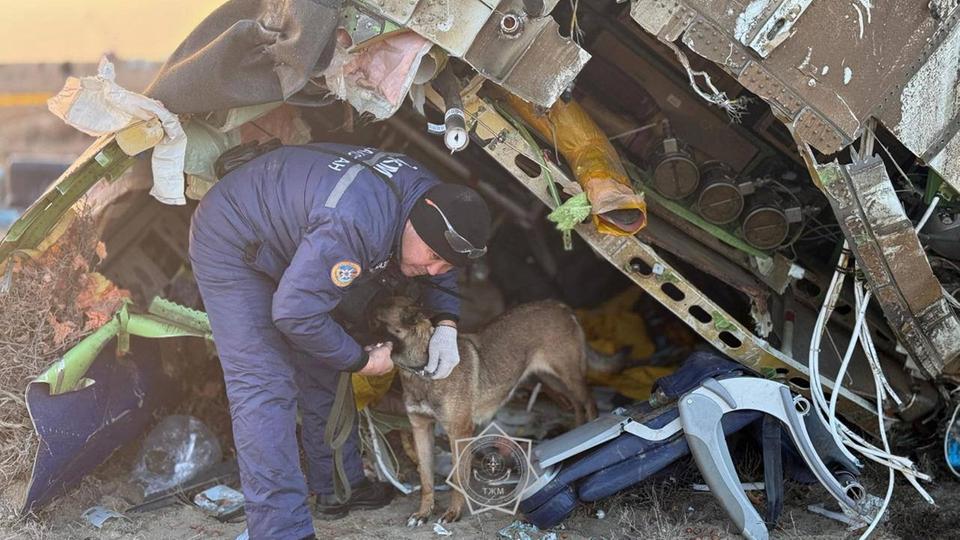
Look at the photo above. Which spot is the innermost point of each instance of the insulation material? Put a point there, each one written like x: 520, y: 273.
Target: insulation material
x: 616, y: 326
x: 282, y: 122
x: 205, y: 143
x: 207, y: 140
x: 617, y: 209
x: 210, y: 138
x: 377, y: 78
x: 616, y: 329
x: 99, y: 106
x: 635, y: 383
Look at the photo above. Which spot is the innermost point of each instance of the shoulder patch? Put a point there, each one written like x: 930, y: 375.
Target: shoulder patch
x: 344, y: 272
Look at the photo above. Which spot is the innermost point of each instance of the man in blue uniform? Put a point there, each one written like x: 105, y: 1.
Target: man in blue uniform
x: 276, y: 246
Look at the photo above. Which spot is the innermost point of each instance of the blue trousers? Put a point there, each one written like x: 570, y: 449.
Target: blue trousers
x: 267, y: 381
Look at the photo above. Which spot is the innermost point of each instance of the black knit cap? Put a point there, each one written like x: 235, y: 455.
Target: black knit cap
x: 466, y: 211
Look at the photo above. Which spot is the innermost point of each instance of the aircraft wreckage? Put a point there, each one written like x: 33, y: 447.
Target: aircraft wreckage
x: 781, y: 175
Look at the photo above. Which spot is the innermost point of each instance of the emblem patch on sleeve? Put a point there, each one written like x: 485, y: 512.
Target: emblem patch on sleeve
x: 344, y: 272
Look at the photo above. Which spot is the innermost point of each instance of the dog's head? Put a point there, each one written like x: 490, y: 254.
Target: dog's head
x: 403, y: 320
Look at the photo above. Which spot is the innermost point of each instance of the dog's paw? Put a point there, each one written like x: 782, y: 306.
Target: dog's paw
x: 417, y: 519
x: 451, y: 515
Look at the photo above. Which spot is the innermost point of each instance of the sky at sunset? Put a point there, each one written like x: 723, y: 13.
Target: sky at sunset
x: 82, y: 30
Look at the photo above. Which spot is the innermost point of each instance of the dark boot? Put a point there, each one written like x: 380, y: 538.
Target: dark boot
x: 367, y: 495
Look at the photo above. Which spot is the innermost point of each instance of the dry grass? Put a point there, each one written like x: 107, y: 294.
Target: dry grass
x: 20, y: 527
x: 50, y: 304
x: 653, y: 509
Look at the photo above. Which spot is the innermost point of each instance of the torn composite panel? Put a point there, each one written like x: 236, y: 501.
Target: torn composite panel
x: 79, y: 430
x: 893, y: 261
x: 834, y: 65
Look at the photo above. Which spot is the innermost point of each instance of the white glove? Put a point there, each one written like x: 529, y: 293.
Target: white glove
x: 442, y: 355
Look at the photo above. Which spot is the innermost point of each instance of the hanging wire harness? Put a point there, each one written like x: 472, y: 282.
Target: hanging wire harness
x: 827, y: 410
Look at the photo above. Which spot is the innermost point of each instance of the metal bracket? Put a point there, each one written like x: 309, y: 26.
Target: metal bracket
x: 762, y: 30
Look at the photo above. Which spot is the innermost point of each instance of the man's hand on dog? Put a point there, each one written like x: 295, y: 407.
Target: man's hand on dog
x: 379, y: 361
x: 443, y: 354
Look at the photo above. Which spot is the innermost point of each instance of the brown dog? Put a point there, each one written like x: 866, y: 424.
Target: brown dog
x: 540, y: 338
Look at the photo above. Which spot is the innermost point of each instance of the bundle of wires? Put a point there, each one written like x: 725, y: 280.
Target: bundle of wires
x: 843, y: 435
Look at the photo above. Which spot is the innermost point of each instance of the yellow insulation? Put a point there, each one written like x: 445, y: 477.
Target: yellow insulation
x: 617, y: 209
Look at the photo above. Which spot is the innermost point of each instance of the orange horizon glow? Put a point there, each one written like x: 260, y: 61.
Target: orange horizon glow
x: 40, y: 31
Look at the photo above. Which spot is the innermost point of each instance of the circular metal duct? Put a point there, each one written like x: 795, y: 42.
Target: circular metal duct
x: 720, y: 201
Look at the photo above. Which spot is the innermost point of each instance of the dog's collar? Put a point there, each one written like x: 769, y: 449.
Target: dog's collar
x: 420, y: 372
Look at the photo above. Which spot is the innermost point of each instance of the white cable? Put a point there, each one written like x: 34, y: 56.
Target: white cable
x: 735, y: 107
x: 848, y: 355
x: 886, y: 446
x: 816, y: 387
x: 862, y: 299
x: 845, y: 437
x: 878, y: 379
x: 873, y: 359
x: 928, y: 213
x: 902, y: 464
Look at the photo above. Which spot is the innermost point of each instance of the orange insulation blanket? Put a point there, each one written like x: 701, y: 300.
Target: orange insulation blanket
x: 617, y: 209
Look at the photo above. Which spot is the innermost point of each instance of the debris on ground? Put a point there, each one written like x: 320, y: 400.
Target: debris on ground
x: 746, y: 486
x: 98, y: 515
x: 520, y: 530
x: 221, y: 473
x: 178, y: 448
x: 821, y: 510
x: 220, y: 501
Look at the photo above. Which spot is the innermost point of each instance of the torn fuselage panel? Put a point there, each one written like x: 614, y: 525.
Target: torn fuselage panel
x: 827, y: 72
x: 521, y: 52
x: 104, y: 415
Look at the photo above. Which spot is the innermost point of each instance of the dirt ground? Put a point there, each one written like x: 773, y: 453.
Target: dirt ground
x: 667, y: 509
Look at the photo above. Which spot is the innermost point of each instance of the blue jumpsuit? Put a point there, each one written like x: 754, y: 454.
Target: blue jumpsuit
x: 275, y: 246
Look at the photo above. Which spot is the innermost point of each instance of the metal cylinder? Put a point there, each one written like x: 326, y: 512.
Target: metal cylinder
x: 455, y: 135
x: 719, y: 201
x: 676, y: 175
x: 431, y: 65
x: 765, y: 224
x: 851, y: 484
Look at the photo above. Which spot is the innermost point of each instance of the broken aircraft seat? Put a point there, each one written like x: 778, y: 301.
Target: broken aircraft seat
x: 627, y: 460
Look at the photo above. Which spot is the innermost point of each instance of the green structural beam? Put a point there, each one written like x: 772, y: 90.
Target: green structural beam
x: 102, y: 160
x: 166, y: 319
